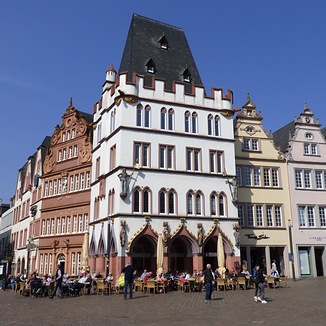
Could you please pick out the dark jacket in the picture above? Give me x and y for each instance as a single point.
(208, 276)
(260, 278)
(129, 273)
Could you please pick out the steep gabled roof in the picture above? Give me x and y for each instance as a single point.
(163, 45)
(281, 136)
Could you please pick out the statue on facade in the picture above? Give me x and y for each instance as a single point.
(200, 234)
(236, 234)
(166, 233)
(123, 176)
(123, 233)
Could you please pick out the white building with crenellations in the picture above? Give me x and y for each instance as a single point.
(163, 160)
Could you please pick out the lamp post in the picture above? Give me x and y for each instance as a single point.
(291, 256)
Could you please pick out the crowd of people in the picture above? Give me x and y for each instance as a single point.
(40, 285)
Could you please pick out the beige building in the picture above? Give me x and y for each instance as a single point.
(263, 198)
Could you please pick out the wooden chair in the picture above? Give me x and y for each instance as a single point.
(138, 285)
(271, 281)
(163, 286)
(101, 287)
(183, 286)
(221, 283)
(86, 289)
(151, 285)
(283, 279)
(242, 282)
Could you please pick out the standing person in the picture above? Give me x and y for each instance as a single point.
(274, 265)
(209, 279)
(260, 285)
(129, 280)
(58, 283)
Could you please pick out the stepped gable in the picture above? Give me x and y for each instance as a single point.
(157, 50)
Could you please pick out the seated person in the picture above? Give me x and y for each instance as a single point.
(160, 277)
(147, 277)
(46, 286)
(199, 281)
(276, 276)
(77, 286)
(120, 282)
(109, 278)
(187, 275)
(98, 275)
(142, 276)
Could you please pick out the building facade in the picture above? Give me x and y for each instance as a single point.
(305, 148)
(27, 203)
(6, 249)
(66, 180)
(263, 197)
(163, 160)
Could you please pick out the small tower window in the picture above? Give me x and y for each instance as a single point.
(187, 76)
(150, 65)
(164, 42)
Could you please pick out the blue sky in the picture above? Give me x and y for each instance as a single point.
(53, 50)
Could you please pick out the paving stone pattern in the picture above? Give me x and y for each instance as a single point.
(302, 303)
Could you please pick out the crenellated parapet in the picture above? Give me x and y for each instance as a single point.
(131, 92)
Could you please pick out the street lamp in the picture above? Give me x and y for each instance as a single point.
(291, 256)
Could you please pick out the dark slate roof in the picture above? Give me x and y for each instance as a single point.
(143, 46)
(281, 136)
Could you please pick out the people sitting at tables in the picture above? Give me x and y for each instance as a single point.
(199, 281)
(187, 276)
(195, 273)
(98, 275)
(142, 276)
(160, 277)
(147, 277)
(77, 286)
(46, 286)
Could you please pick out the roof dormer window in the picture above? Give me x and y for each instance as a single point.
(164, 42)
(187, 76)
(150, 65)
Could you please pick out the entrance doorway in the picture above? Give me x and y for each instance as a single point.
(61, 261)
(319, 261)
(144, 255)
(180, 256)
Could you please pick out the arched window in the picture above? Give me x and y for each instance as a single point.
(187, 114)
(163, 118)
(221, 205)
(194, 123)
(147, 116)
(162, 201)
(136, 200)
(139, 114)
(216, 126)
(171, 119)
(213, 205)
(189, 203)
(146, 201)
(171, 202)
(209, 124)
(198, 203)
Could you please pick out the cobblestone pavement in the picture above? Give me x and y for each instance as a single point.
(302, 303)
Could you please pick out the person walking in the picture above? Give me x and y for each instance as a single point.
(260, 285)
(129, 272)
(58, 283)
(209, 280)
